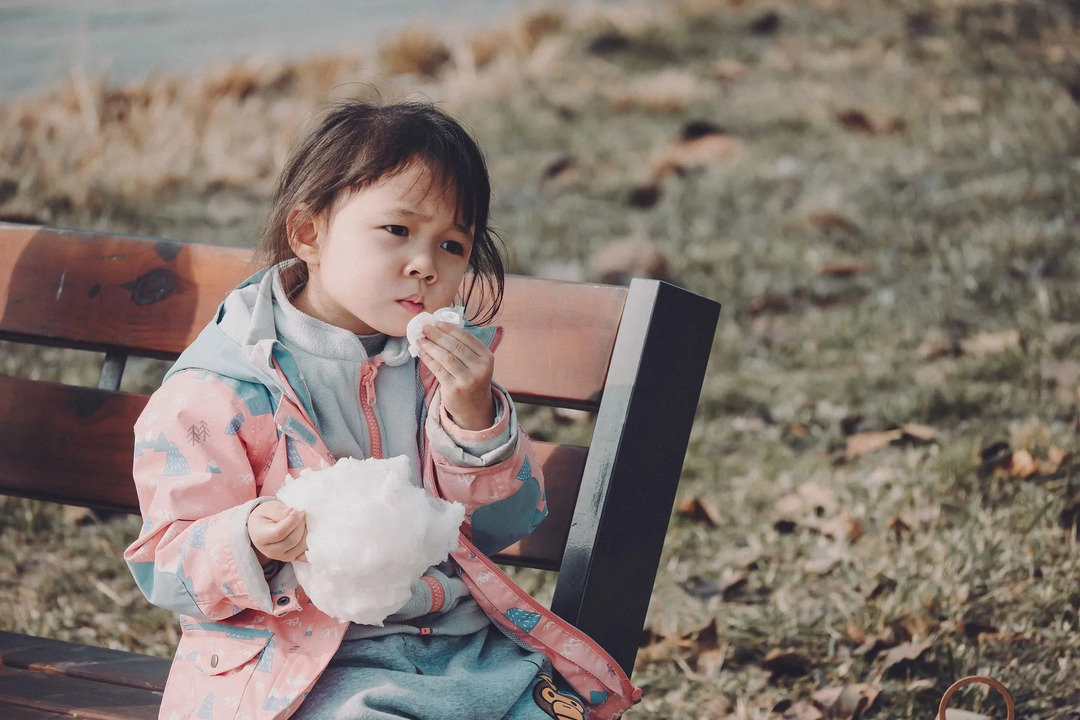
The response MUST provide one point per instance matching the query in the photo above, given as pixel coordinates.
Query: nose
(422, 267)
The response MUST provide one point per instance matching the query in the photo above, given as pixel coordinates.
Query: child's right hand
(277, 532)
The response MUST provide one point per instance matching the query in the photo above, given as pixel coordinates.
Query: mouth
(414, 304)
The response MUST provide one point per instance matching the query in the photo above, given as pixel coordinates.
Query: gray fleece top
(330, 361)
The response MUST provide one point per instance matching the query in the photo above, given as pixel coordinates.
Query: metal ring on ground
(977, 679)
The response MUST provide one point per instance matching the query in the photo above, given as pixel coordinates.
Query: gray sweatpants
(480, 677)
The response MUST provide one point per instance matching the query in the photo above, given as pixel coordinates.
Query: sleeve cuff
(475, 448)
(465, 438)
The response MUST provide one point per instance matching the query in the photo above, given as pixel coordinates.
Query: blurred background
(880, 495)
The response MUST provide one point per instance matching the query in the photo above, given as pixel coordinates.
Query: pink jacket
(205, 454)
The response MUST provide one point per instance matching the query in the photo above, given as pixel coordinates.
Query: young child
(380, 214)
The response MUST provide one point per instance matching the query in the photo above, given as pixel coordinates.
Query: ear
(304, 234)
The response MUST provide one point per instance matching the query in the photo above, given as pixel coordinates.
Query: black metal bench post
(635, 459)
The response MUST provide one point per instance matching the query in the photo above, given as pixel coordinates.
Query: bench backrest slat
(115, 292)
(59, 443)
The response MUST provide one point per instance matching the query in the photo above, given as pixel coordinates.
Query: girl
(380, 214)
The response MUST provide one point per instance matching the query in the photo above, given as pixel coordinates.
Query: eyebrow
(413, 214)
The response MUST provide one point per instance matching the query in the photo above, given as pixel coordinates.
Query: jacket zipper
(548, 615)
(368, 371)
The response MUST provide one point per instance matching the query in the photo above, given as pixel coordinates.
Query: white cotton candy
(455, 315)
(371, 534)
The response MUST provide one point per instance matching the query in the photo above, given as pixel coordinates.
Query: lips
(414, 304)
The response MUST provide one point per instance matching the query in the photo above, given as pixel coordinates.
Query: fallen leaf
(619, 261)
(935, 344)
(700, 509)
(729, 580)
(865, 443)
(899, 525)
(708, 652)
(906, 652)
(920, 433)
(803, 710)
(1069, 519)
(765, 24)
(786, 663)
(987, 343)
(657, 648)
(856, 120)
(644, 196)
(958, 714)
(694, 153)
(831, 220)
(1023, 465)
(562, 168)
(872, 441)
(729, 70)
(846, 269)
(846, 702)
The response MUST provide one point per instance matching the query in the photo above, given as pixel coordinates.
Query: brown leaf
(844, 269)
(786, 663)
(919, 433)
(702, 588)
(935, 344)
(803, 710)
(1024, 465)
(708, 652)
(906, 652)
(729, 70)
(697, 152)
(960, 714)
(619, 261)
(856, 120)
(563, 168)
(644, 196)
(987, 343)
(700, 509)
(872, 441)
(831, 220)
(846, 702)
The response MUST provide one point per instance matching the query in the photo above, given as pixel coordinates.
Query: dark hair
(358, 144)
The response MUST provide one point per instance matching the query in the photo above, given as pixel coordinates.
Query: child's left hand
(463, 366)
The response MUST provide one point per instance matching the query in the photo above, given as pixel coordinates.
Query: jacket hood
(241, 343)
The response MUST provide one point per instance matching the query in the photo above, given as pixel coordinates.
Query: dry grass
(895, 246)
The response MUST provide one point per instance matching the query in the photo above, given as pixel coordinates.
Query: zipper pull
(367, 378)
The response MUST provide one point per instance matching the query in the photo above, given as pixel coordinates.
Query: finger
(277, 532)
(272, 511)
(456, 340)
(437, 367)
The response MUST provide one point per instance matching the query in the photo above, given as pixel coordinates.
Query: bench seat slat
(121, 293)
(76, 697)
(114, 667)
(20, 712)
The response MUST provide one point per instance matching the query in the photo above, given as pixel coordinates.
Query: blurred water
(41, 41)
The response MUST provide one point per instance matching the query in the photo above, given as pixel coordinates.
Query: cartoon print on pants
(560, 706)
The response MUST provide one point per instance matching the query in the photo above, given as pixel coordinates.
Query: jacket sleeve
(502, 490)
(195, 443)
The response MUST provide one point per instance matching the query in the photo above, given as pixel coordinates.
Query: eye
(453, 246)
(399, 230)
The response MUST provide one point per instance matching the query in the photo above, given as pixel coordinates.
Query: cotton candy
(371, 534)
(455, 315)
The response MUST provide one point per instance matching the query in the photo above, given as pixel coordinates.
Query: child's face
(383, 254)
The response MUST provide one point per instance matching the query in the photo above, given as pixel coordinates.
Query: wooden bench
(634, 356)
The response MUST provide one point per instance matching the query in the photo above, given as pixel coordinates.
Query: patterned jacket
(210, 445)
